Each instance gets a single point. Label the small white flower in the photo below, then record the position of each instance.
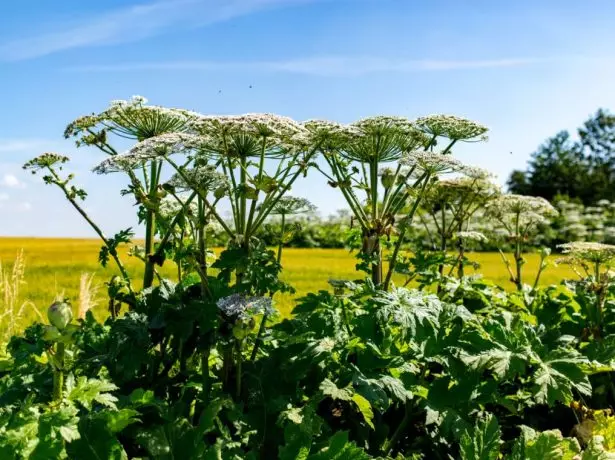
(238, 306)
(588, 251)
(472, 236)
(288, 205)
(452, 127)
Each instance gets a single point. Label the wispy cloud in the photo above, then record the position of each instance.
(11, 181)
(134, 23)
(318, 66)
(22, 145)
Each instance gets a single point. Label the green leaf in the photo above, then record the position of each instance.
(558, 374)
(97, 441)
(328, 388)
(365, 408)
(595, 450)
(339, 448)
(87, 391)
(546, 445)
(483, 442)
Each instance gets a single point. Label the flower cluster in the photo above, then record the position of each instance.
(238, 306)
(589, 251)
(472, 236)
(170, 206)
(385, 125)
(432, 163)
(452, 127)
(46, 160)
(288, 205)
(202, 178)
(328, 135)
(132, 119)
(520, 214)
(150, 149)
(255, 124)
(518, 204)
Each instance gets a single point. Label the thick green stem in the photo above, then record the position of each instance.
(402, 233)
(96, 228)
(281, 245)
(202, 253)
(205, 371)
(518, 256)
(150, 228)
(58, 372)
(259, 337)
(238, 372)
(401, 428)
(461, 247)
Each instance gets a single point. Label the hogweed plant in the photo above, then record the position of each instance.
(51, 165)
(133, 120)
(356, 154)
(596, 260)
(286, 207)
(520, 217)
(447, 211)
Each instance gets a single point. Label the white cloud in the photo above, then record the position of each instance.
(4, 197)
(11, 181)
(318, 66)
(134, 23)
(24, 206)
(22, 145)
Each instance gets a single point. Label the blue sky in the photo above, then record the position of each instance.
(526, 69)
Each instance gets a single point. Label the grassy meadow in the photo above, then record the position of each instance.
(69, 267)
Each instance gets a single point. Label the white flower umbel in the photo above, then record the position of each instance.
(452, 127)
(383, 139)
(472, 236)
(288, 205)
(266, 125)
(432, 163)
(530, 210)
(238, 306)
(151, 149)
(202, 178)
(588, 251)
(328, 135)
(520, 216)
(132, 119)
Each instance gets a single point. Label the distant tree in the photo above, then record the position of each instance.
(597, 138)
(583, 169)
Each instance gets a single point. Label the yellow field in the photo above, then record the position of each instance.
(54, 266)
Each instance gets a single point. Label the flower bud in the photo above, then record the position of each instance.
(60, 314)
(387, 178)
(220, 192)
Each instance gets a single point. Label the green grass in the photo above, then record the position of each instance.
(53, 267)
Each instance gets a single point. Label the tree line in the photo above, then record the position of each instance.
(581, 168)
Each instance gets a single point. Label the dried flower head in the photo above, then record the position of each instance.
(452, 127)
(288, 205)
(238, 306)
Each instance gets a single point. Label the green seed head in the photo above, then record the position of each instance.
(60, 314)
